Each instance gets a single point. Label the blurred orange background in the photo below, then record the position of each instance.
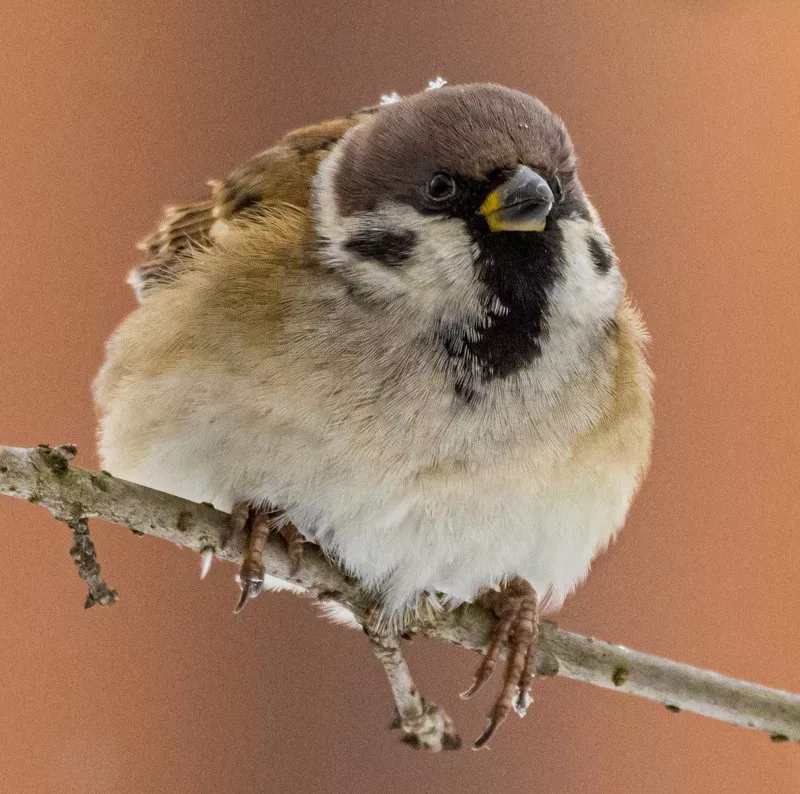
(686, 122)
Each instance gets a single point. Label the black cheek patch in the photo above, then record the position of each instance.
(390, 248)
(601, 258)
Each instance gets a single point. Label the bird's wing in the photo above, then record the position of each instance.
(281, 174)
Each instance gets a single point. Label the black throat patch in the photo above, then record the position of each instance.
(519, 270)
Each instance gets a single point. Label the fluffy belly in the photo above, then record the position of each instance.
(455, 533)
(462, 541)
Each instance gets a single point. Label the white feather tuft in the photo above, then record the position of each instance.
(390, 99)
(336, 613)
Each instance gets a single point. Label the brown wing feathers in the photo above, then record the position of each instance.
(280, 174)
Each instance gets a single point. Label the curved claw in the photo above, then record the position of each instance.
(250, 589)
(259, 523)
(491, 726)
(206, 558)
(468, 693)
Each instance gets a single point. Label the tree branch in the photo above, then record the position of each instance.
(424, 724)
(44, 476)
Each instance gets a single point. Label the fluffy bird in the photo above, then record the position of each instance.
(403, 336)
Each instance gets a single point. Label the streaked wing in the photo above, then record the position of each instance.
(281, 174)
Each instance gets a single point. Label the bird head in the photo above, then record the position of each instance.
(459, 212)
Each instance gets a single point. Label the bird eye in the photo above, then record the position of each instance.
(555, 186)
(441, 187)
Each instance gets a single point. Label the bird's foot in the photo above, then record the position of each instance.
(516, 631)
(259, 523)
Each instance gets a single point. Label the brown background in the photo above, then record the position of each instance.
(685, 115)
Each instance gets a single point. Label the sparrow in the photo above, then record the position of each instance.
(402, 335)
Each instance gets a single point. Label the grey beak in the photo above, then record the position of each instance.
(521, 204)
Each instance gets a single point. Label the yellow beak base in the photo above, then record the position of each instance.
(498, 221)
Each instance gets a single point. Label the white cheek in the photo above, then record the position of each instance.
(437, 284)
(584, 295)
(580, 303)
(439, 280)
(582, 299)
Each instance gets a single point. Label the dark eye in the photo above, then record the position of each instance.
(555, 186)
(441, 187)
